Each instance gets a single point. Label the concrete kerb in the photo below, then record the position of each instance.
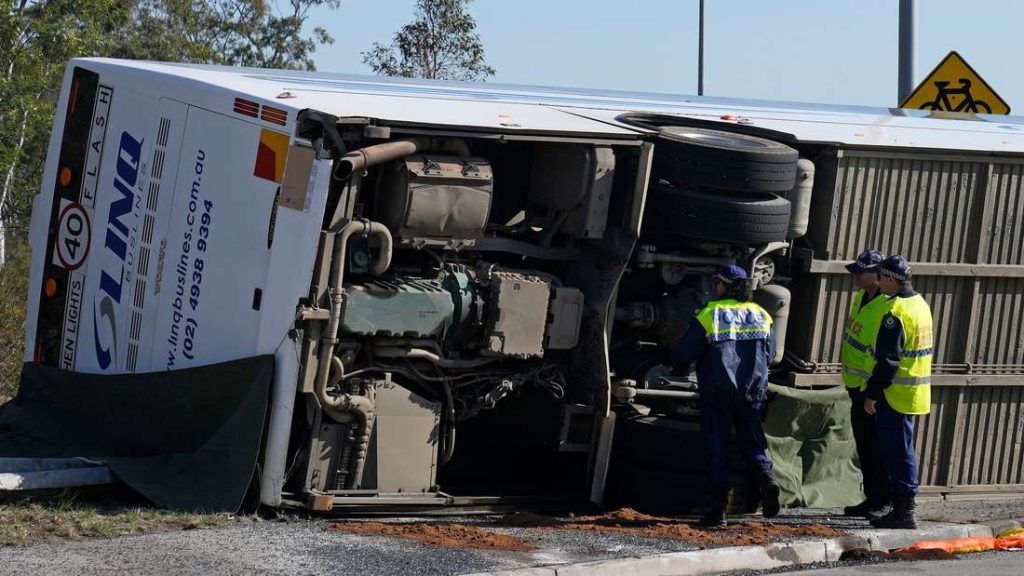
(1000, 526)
(752, 558)
(890, 539)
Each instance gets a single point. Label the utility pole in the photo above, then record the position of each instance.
(908, 31)
(700, 52)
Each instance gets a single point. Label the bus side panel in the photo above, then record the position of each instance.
(216, 255)
(162, 160)
(293, 255)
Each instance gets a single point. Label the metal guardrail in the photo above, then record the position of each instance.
(44, 473)
(928, 269)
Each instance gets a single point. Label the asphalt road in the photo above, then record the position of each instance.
(1003, 563)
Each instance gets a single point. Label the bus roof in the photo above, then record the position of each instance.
(527, 109)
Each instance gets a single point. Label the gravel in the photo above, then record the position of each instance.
(299, 546)
(304, 547)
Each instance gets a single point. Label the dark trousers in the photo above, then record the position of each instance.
(865, 435)
(896, 441)
(718, 418)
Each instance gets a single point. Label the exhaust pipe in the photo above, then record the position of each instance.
(358, 161)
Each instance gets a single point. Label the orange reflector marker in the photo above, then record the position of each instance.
(275, 115)
(65, 176)
(50, 287)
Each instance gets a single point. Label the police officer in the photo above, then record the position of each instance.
(869, 306)
(900, 386)
(732, 341)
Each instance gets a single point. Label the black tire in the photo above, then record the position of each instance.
(706, 158)
(709, 215)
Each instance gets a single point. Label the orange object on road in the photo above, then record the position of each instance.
(1014, 541)
(956, 545)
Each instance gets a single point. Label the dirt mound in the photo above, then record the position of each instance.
(442, 535)
(625, 521)
(742, 534)
(632, 523)
(620, 516)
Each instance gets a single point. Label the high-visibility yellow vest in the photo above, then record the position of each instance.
(730, 319)
(858, 349)
(911, 391)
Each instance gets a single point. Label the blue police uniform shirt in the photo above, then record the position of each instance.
(727, 369)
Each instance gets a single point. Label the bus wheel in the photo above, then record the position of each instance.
(711, 215)
(721, 160)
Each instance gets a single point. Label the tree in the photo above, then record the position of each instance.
(232, 32)
(253, 35)
(441, 42)
(36, 40)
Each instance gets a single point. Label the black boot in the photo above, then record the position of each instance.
(869, 509)
(715, 515)
(901, 516)
(769, 496)
(876, 511)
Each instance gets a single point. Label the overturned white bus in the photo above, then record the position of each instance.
(462, 285)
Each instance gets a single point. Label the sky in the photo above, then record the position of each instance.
(827, 51)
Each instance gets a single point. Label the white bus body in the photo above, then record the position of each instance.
(183, 208)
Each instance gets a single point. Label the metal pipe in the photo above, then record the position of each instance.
(363, 158)
(677, 394)
(653, 257)
(346, 408)
(628, 394)
(907, 34)
(363, 407)
(676, 259)
(332, 404)
(337, 294)
(359, 160)
(421, 354)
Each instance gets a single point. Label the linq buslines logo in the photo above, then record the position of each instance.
(116, 243)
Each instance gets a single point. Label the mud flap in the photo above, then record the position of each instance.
(186, 439)
(604, 429)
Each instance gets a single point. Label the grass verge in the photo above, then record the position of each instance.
(89, 514)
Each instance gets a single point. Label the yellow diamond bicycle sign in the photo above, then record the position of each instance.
(955, 87)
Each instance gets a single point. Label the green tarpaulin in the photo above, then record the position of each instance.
(811, 444)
